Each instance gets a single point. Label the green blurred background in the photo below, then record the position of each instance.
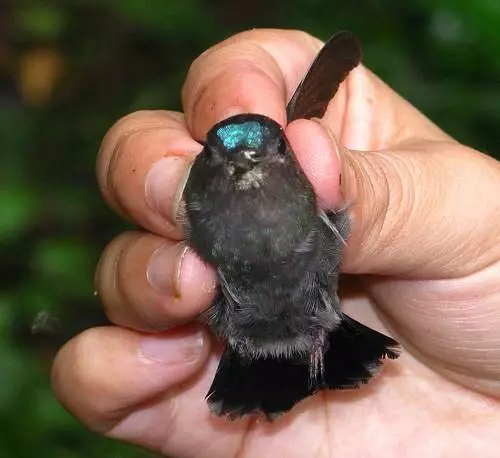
(69, 69)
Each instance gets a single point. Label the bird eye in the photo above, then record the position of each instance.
(211, 155)
(282, 146)
(206, 148)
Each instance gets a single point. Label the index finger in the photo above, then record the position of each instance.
(257, 71)
(252, 72)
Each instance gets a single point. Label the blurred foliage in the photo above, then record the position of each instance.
(69, 69)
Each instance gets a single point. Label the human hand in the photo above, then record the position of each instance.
(424, 240)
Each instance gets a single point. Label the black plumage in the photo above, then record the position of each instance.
(252, 214)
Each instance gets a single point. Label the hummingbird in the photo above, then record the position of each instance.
(252, 214)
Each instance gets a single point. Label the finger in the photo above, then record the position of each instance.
(145, 389)
(105, 373)
(148, 283)
(367, 114)
(423, 212)
(142, 166)
(452, 325)
(400, 199)
(319, 156)
(258, 71)
(252, 72)
(419, 211)
(145, 158)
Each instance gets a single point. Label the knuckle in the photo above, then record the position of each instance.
(121, 282)
(120, 128)
(120, 146)
(126, 269)
(107, 278)
(391, 207)
(237, 55)
(121, 164)
(272, 35)
(127, 122)
(302, 36)
(78, 379)
(377, 183)
(85, 368)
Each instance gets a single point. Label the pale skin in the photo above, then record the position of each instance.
(425, 244)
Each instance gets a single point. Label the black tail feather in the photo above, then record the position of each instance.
(273, 386)
(355, 353)
(270, 386)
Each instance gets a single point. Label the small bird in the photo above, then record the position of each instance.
(252, 214)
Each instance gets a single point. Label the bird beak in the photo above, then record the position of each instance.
(246, 159)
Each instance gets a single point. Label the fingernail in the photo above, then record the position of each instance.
(176, 347)
(165, 184)
(164, 269)
(335, 145)
(336, 198)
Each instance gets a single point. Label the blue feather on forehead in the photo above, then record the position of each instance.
(248, 134)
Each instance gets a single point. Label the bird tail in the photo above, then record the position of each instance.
(273, 386)
(354, 354)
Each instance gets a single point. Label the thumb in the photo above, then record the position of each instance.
(422, 209)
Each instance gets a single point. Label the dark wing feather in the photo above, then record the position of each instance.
(341, 53)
